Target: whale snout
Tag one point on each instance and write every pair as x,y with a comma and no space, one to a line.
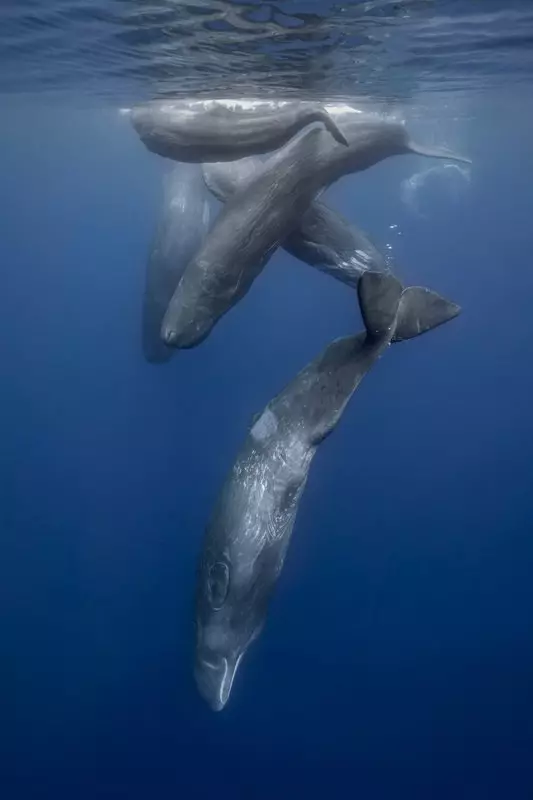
141,117
214,675
169,336
184,334
181,339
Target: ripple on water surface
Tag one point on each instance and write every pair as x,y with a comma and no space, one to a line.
123,50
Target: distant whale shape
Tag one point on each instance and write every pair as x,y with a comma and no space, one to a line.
323,238
203,130
257,219
248,535
182,226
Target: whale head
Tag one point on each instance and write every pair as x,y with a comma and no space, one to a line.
185,325
214,674
231,605
230,612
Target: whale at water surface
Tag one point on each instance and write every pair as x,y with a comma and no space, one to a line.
204,130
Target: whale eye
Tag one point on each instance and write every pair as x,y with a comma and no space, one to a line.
218,584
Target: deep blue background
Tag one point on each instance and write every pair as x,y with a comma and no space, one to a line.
398,656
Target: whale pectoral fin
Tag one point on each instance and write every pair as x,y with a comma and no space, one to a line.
420,310
333,128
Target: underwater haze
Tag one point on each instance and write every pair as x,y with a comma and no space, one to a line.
397,657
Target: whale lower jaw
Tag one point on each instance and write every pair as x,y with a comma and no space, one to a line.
214,679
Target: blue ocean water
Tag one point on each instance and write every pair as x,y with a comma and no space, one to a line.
397,659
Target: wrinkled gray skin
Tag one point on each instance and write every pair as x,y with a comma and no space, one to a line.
256,220
323,238
181,229
247,537
243,237
194,131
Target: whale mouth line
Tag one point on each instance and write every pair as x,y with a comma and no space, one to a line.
214,678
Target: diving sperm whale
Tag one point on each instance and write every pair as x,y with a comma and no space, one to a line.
182,226
206,130
247,537
257,219
323,238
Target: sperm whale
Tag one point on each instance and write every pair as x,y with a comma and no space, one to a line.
247,537
203,130
323,238
183,223
256,220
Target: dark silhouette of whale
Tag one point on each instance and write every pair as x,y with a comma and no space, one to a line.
256,220
323,238
247,537
183,223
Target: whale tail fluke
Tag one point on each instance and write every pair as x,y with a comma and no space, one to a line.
420,310
386,307
379,299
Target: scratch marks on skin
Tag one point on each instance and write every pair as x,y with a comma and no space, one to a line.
364,257
276,472
358,263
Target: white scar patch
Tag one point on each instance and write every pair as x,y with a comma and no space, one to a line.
265,427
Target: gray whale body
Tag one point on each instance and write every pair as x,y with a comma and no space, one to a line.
196,131
244,236
182,225
249,531
256,220
323,238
